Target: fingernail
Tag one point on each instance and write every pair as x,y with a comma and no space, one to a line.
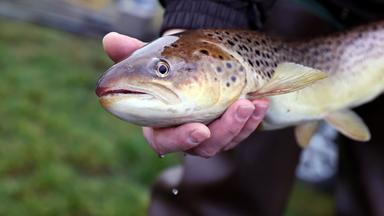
243,112
261,108
196,137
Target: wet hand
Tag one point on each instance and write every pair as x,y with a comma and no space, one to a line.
236,124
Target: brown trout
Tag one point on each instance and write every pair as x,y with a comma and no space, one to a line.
196,75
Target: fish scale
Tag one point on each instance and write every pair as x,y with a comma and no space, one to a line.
194,76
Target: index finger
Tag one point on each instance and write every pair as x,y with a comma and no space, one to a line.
174,139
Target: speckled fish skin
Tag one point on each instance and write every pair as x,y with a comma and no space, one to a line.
210,69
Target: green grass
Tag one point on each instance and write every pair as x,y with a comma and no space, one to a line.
60,152
306,200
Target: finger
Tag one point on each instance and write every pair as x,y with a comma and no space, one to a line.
226,128
254,121
119,46
181,138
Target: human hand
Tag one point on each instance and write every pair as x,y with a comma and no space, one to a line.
236,124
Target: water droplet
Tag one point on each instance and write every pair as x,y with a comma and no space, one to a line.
175,191
161,156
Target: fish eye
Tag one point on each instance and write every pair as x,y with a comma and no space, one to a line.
162,69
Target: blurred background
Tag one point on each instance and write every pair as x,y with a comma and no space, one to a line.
60,152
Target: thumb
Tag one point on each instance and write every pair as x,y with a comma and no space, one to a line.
119,46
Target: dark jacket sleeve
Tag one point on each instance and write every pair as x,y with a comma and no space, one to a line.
192,14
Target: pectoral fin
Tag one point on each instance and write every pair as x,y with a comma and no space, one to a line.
349,124
304,132
288,77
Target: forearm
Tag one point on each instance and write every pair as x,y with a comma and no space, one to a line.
192,14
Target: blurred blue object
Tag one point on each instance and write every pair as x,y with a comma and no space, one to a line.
318,162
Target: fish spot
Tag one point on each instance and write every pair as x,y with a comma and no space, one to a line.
188,69
215,78
218,69
174,45
228,84
210,34
250,62
221,57
249,40
230,42
257,62
205,52
241,68
233,78
229,65
263,63
257,52
220,38
238,52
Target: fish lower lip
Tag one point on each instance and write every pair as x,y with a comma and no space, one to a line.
120,91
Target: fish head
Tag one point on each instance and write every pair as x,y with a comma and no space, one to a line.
172,80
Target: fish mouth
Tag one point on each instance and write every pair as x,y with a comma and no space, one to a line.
160,92
104,92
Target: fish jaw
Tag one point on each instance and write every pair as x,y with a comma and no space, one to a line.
156,91
140,109
112,86
146,110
